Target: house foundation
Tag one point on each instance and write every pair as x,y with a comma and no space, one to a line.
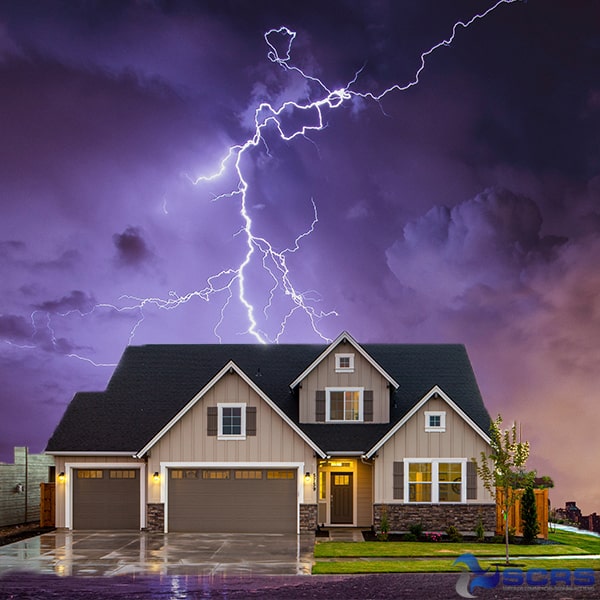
436,517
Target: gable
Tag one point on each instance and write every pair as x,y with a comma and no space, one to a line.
417,439
344,343
190,426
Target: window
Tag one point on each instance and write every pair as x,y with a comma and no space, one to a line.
248,474
232,421
184,474
89,474
438,480
280,474
344,404
344,363
322,485
122,474
435,421
215,474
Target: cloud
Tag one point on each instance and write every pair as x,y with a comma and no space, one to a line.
75,301
132,249
15,328
487,242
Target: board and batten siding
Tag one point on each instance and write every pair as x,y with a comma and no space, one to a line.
187,440
364,494
364,375
459,440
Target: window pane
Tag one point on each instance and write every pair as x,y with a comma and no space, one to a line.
248,475
280,474
450,492
435,421
232,420
351,402
419,492
210,474
419,472
322,488
450,471
336,406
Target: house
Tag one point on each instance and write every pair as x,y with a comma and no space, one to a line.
276,438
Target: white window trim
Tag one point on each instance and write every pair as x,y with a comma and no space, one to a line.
339,368
435,413
328,391
220,434
435,489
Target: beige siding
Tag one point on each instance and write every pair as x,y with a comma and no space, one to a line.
187,441
459,440
364,494
364,375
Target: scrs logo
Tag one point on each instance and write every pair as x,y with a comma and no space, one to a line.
464,585
476,577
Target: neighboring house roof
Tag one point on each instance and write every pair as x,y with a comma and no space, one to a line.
152,384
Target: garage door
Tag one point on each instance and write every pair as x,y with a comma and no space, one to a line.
106,499
233,500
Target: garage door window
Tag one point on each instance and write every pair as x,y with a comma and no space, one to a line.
248,474
280,474
122,474
213,474
184,474
89,474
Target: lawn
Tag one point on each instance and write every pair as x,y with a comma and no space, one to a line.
401,557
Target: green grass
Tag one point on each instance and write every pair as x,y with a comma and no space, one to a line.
441,566
431,557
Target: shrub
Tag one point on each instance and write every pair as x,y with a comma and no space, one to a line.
432,536
417,530
384,526
480,531
409,537
454,535
531,526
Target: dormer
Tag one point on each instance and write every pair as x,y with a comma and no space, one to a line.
344,385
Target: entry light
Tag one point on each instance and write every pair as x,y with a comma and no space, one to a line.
61,477
307,477
156,477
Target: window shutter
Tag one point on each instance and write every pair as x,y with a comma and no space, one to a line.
251,420
471,480
368,405
212,420
398,480
320,405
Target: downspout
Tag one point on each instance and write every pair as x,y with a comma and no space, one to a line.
26,480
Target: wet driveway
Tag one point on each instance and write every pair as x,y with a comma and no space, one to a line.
96,554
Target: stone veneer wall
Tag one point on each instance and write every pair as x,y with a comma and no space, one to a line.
155,517
437,517
308,517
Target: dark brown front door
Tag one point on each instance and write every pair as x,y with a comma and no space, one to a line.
341,499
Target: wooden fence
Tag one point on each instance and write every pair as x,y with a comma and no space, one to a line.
47,504
514,515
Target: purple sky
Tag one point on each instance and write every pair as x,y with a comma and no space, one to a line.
464,209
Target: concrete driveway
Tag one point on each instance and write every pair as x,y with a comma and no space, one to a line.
92,554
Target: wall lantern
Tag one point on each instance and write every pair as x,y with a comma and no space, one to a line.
308,478
61,477
156,477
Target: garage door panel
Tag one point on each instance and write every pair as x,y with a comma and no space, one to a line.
107,499
236,504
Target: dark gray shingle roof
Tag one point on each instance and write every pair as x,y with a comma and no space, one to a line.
152,383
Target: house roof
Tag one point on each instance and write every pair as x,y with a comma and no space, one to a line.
153,383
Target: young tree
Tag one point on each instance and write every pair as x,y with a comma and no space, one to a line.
531,527
503,470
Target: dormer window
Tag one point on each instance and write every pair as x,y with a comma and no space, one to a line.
344,404
435,421
344,363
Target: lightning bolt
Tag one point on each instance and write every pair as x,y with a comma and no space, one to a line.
233,281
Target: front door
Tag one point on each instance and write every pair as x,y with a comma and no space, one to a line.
342,510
